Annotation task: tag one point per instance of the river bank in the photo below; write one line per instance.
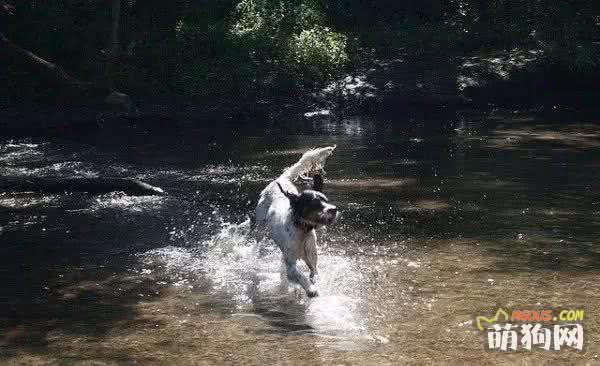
(505, 80)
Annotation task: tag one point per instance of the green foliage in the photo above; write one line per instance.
(273, 20)
(318, 47)
(289, 38)
(268, 47)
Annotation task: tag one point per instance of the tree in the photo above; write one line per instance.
(55, 75)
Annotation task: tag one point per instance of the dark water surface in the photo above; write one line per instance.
(442, 219)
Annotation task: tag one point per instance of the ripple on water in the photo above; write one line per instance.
(231, 173)
(18, 157)
(217, 174)
(66, 169)
(25, 200)
(122, 201)
(14, 152)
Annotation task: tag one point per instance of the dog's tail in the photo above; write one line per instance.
(311, 160)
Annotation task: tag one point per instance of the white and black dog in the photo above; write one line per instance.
(292, 215)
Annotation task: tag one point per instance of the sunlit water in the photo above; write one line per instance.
(443, 219)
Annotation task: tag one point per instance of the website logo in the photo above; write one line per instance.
(549, 329)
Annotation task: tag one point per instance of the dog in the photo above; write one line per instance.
(292, 215)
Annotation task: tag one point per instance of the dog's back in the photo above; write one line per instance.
(272, 201)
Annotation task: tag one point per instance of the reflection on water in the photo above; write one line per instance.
(440, 221)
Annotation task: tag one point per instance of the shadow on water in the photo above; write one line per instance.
(54, 286)
(36, 309)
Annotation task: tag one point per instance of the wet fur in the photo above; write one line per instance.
(291, 216)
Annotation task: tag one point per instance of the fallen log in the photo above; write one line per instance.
(48, 185)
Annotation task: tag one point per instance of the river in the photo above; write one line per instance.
(443, 218)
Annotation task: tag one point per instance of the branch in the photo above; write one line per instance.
(6, 8)
(55, 74)
(113, 55)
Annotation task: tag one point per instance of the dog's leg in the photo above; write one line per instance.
(287, 244)
(294, 275)
(310, 254)
(261, 210)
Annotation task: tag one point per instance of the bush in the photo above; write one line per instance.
(318, 47)
(289, 41)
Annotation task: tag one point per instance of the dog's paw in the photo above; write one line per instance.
(312, 292)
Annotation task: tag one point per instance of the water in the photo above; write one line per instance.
(443, 218)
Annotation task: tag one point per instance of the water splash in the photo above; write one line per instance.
(245, 273)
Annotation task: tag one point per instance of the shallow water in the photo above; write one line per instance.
(443, 218)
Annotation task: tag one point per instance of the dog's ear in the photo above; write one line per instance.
(318, 183)
(293, 197)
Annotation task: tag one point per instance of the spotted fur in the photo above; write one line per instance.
(291, 216)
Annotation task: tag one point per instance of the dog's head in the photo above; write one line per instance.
(312, 207)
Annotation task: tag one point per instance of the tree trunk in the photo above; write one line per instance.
(113, 55)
